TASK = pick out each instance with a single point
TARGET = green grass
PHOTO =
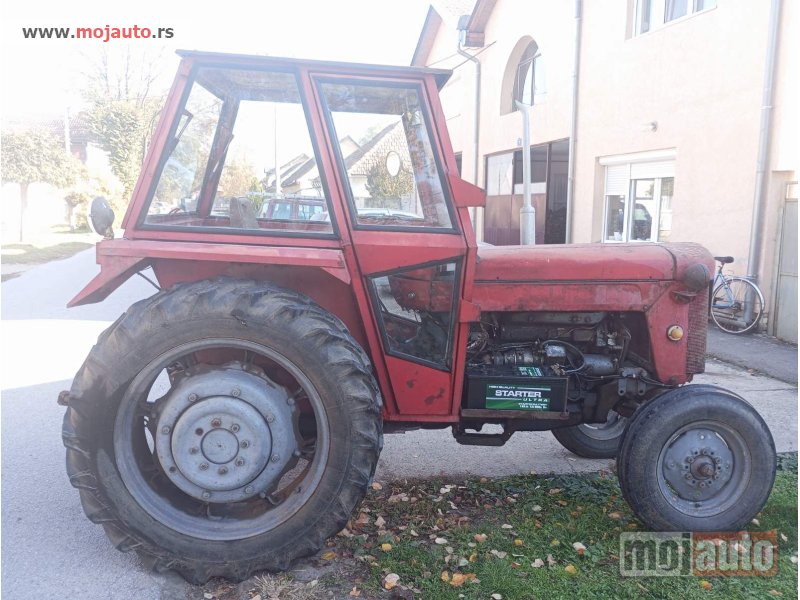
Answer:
(29, 254)
(547, 522)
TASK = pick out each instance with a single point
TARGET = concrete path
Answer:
(49, 549)
(765, 354)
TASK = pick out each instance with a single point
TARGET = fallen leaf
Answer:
(756, 522)
(793, 559)
(571, 569)
(536, 508)
(562, 502)
(550, 560)
(579, 548)
(538, 563)
(386, 547)
(440, 540)
(457, 580)
(499, 553)
(518, 542)
(473, 557)
(355, 592)
(363, 519)
(554, 491)
(706, 585)
(555, 543)
(615, 516)
(480, 537)
(346, 533)
(449, 549)
(506, 526)
(414, 533)
(784, 538)
(390, 580)
(445, 576)
(462, 562)
(774, 593)
(377, 487)
(497, 596)
(330, 555)
(380, 522)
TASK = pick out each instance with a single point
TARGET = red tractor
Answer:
(233, 421)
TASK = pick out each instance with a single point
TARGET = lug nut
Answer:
(192, 397)
(275, 458)
(172, 469)
(236, 392)
(270, 418)
(248, 489)
(165, 429)
(290, 401)
(206, 495)
(194, 450)
(687, 476)
(234, 428)
(204, 466)
(216, 422)
(239, 462)
(690, 460)
(198, 431)
(222, 470)
(244, 443)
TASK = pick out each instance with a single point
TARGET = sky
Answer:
(41, 77)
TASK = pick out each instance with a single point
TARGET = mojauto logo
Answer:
(706, 554)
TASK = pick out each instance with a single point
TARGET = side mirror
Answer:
(465, 194)
(102, 218)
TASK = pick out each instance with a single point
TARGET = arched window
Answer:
(529, 77)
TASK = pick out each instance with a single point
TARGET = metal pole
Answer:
(576, 60)
(527, 214)
(759, 197)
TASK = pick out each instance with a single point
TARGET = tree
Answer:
(35, 157)
(123, 86)
(386, 190)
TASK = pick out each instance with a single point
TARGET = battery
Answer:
(529, 388)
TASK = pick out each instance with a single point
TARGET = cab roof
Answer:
(228, 59)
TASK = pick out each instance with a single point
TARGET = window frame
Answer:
(658, 15)
(341, 167)
(375, 304)
(629, 200)
(141, 223)
(529, 64)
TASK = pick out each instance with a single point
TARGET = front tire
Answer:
(593, 440)
(223, 427)
(696, 458)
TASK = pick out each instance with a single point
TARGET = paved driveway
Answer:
(49, 549)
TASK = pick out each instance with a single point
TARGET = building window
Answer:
(652, 14)
(529, 81)
(638, 202)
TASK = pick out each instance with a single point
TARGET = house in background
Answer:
(662, 142)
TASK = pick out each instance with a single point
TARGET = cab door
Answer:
(407, 239)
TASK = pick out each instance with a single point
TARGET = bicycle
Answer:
(737, 303)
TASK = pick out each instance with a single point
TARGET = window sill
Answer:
(663, 26)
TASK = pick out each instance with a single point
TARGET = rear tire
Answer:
(697, 434)
(593, 440)
(172, 529)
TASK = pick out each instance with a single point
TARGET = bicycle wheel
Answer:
(737, 305)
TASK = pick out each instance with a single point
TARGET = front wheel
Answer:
(737, 305)
(697, 458)
(223, 427)
(593, 440)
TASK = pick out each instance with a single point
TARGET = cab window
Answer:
(240, 158)
(384, 148)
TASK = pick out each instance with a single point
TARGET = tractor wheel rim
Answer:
(177, 480)
(703, 469)
(612, 428)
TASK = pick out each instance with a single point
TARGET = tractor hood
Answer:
(589, 262)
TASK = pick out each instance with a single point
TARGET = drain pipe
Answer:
(462, 34)
(574, 120)
(759, 197)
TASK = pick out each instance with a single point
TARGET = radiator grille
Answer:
(698, 329)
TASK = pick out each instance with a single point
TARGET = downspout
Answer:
(764, 135)
(574, 120)
(477, 120)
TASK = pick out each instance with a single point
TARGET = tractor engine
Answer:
(562, 365)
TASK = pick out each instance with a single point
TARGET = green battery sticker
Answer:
(518, 396)
(530, 371)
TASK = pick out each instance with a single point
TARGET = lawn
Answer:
(43, 247)
(513, 538)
